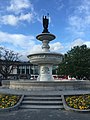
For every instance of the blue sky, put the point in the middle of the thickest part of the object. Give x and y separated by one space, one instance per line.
21 21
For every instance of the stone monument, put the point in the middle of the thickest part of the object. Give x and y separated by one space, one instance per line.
45 59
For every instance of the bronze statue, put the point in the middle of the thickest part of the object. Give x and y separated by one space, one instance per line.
45 24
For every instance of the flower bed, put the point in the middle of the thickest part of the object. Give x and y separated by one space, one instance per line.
7 101
81 102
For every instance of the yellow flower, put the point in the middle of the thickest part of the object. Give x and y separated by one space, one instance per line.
79 101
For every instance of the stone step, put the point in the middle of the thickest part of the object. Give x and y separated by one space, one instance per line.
43 95
42 98
41 106
42 102
37 101
45 92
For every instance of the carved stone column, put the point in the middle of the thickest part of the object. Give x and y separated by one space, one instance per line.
45 46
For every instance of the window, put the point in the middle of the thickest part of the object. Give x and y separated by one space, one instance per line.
23 71
18 71
27 71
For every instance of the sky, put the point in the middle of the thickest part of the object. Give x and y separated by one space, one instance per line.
21 22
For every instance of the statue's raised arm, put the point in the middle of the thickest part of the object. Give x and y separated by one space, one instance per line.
45 24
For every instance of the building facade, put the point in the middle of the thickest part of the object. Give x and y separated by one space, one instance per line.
25 70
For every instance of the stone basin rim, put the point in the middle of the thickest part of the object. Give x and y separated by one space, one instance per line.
45 53
46 36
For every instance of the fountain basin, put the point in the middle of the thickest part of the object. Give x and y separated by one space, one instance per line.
45 36
45 58
47 85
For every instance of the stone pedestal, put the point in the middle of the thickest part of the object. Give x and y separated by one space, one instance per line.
45 73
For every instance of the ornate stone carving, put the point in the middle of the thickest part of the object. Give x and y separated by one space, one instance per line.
45 59
45 70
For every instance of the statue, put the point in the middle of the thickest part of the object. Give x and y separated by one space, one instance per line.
45 24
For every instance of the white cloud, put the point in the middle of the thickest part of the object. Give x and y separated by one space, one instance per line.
56 46
18 5
9 19
79 20
36 49
75 21
77 25
18 11
84 7
23 44
14 20
77 42
28 17
17 40
53 47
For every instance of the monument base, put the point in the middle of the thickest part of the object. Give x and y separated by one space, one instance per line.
47 85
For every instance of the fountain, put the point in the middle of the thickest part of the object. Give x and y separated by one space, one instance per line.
45 59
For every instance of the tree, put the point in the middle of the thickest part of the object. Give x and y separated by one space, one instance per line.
7 61
76 62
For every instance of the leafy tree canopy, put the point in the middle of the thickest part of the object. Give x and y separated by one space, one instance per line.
76 63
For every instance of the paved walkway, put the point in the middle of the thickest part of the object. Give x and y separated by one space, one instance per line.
44 114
